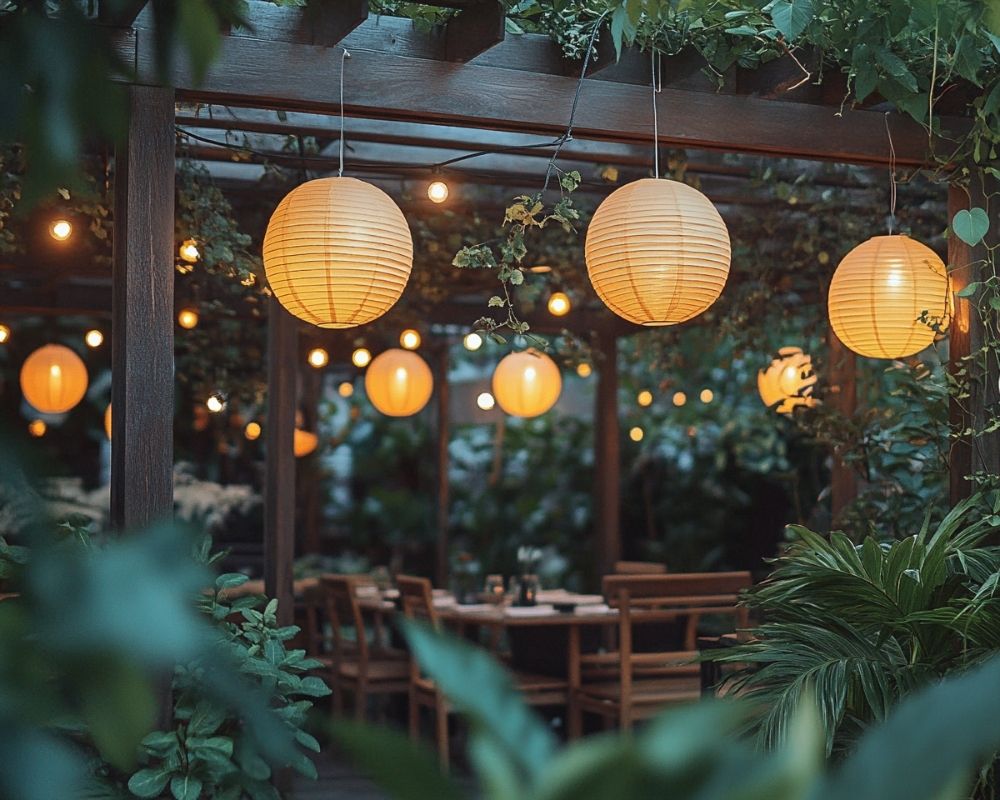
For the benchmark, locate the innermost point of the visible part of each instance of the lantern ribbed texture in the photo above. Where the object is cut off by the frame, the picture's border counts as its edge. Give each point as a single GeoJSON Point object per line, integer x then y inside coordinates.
{"type": "Point", "coordinates": [399, 382]}
{"type": "Point", "coordinates": [337, 252]}
{"type": "Point", "coordinates": [53, 379]}
{"type": "Point", "coordinates": [526, 384]}
{"type": "Point", "coordinates": [657, 252]}
{"type": "Point", "coordinates": [878, 293]}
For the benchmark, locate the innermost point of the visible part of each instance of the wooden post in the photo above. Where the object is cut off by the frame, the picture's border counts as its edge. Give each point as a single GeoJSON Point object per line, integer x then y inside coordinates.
{"type": "Point", "coordinates": [959, 347]}
{"type": "Point", "coordinates": [312, 391]}
{"type": "Point", "coordinates": [443, 462]}
{"type": "Point", "coordinates": [843, 397]}
{"type": "Point", "coordinates": [142, 348]}
{"type": "Point", "coordinates": [279, 496]}
{"type": "Point", "coordinates": [607, 457]}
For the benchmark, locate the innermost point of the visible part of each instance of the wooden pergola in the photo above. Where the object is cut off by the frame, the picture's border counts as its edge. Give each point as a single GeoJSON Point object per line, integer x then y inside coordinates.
{"type": "Point", "coordinates": [403, 88]}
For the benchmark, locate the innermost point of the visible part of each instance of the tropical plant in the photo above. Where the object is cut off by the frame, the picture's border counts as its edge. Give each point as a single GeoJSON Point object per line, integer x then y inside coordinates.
{"type": "Point", "coordinates": [927, 750]}
{"type": "Point", "coordinates": [863, 625]}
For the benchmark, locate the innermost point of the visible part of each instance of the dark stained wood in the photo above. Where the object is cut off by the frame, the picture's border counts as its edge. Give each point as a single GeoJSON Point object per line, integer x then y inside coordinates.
{"type": "Point", "coordinates": [279, 491]}
{"type": "Point", "coordinates": [607, 458]}
{"type": "Point", "coordinates": [391, 86]}
{"type": "Point", "coordinates": [327, 24]}
{"type": "Point", "coordinates": [842, 396]}
{"type": "Point", "coordinates": [959, 346]}
{"type": "Point", "coordinates": [474, 30]}
{"type": "Point", "coordinates": [443, 399]}
{"type": "Point", "coordinates": [121, 13]}
{"type": "Point", "coordinates": [142, 333]}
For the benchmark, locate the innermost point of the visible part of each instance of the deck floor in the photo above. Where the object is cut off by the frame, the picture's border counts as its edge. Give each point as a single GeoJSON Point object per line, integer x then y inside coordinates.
{"type": "Point", "coordinates": [338, 780]}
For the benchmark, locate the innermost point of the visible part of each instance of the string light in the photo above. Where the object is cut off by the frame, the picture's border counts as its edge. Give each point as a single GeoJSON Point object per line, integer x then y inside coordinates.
{"type": "Point", "coordinates": [60, 230]}
{"type": "Point", "coordinates": [216, 402]}
{"type": "Point", "coordinates": [559, 304]}
{"type": "Point", "coordinates": [584, 370]}
{"type": "Point", "coordinates": [4, 334]}
{"type": "Point", "coordinates": [93, 338]}
{"type": "Point", "coordinates": [472, 341]}
{"type": "Point", "coordinates": [189, 251]}
{"type": "Point", "coordinates": [706, 396]}
{"type": "Point", "coordinates": [346, 389]}
{"type": "Point", "coordinates": [252, 431]}
{"type": "Point", "coordinates": [644, 398]}
{"type": "Point", "coordinates": [437, 191]}
{"type": "Point", "coordinates": [636, 434]}
{"type": "Point", "coordinates": [409, 339]}
{"type": "Point", "coordinates": [486, 401]}
{"type": "Point", "coordinates": [361, 357]}
{"type": "Point", "coordinates": [679, 399]}
{"type": "Point", "coordinates": [37, 428]}
{"type": "Point", "coordinates": [318, 358]}
{"type": "Point", "coordinates": [187, 318]}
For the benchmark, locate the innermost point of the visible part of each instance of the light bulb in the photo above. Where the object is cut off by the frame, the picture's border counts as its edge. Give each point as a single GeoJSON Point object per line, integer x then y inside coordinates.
{"type": "Point", "coordinates": [37, 428]}
{"type": "Point", "coordinates": [636, 434]}
{"type": "Point", "coordinates": [644, 398]}
{"type": "Point", "coordinates": [189, 251]}
{"type": "Point", "coordinates": [437, 191]}
{"type": "Point", "coordinates": [472, 341]}
{"type": "Point", "coordinates": [706, 396]}
{"type": "Point", "coordinates": [361, 357]}
{"type": "Point", "coordinates": [318, 358]}
{"type": "Point", "coordinates": [216, 402]}
{"type": "Point", "coordinates": [409, 339]}
{"type": "Point", "coordinates": [93, 338]}
{"type": "Point", "coordinates": [680, 399]}
{"type": "Point", "coordinates": [584, 370]}
{"type": "Point", "coordinates": [559, 304]}
{"type": "Point", "coordinates": [346, 389]}
{"type": "Point", "coordinates": [187, 318]}
{"type": "Point", "coordinates": [4, 334]}
{"type": "Point", "coordinates": [60, 230]}
{"type": "Point", "coordinates": [485, 401]}
{"type": "Point", "coordinates": [252, 431]}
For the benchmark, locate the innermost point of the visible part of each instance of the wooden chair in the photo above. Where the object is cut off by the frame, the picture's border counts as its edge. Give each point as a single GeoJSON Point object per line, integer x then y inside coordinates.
{"type": "Point", "coordinates": [356, 666]}
{"type": "Point", "coordinates": [640, 568]}
{"type": "Point", "coordinates": [416, 596]}
{"type": "Point", "coordinates": [624, 685]}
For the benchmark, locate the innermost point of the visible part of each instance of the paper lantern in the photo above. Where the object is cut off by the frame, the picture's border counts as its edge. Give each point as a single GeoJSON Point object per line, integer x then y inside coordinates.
{"type": "Point", "coordinates": [657, 252]}
{"type": "Point", "coordinates": [304, 442]}
{"type": "Point", "coordinates": [879, 292]}
{"type": "Point", "coordinates": [107, 421]}
{"type": "Point", "coordinates": [526, 384]}
{"type": "Point", "coordinates": [337, 252]}
{"type": "Point", "coordinates": [788, 381]}
{"type": "Point", "coordinates": [399, 382]}
{"type": "Point", "coordinates": [53, 379]}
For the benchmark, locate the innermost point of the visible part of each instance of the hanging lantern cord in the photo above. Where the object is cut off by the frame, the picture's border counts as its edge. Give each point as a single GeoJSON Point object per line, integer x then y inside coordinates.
{"type": "Point", "coordinates": [657, 87]}
{"type": "Point", "coordinates": [346, 55]}
{"type": "Point", "coordinates": [892, 175]}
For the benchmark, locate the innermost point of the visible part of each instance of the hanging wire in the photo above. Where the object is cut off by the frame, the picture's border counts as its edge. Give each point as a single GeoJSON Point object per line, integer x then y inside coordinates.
{"type": "Point", "coordinates": [892, 174]}
{"type": "Point", "coordinates": [343, 60]}
{"type": "Point", "coordinates": [656, 127]}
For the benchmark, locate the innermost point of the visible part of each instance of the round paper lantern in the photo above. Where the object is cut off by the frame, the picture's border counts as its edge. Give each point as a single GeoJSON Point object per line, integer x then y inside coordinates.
{"type": "Point", "coordinates": [107, 421]}
{"type": "Point", "coordinates": [526, 384]}
{"type": "Point", "coordinates": [304, 442]}
{"type": "Point", "coordinates": [788, 381]}
{"type": "Point", "coordinates": [399, 382]}
{"type": "Point", "coordinates": [337, 252]}
{"type": "Point", "coordinates": [879, 292]}
{"type": "Point", "coordinates": [657, 252]}
{"type": "Point", "coordinates": [53, 379]}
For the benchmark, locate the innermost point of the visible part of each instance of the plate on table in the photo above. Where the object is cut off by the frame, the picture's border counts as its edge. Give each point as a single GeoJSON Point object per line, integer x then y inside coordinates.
{"type": "Point", "coordinates": [473, 607]}
{"type": "Point", "coordinates": [542, 610]}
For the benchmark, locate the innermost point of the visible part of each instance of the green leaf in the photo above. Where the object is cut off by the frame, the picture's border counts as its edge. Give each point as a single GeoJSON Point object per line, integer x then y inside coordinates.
{"type": "Point", "coordinates": [230, 580]}
{"type": "Point", "coordinates": [969, 290]}
{"type": "Point", "coordinates": [971, 225]}
{"type": "Point", "coordinates": [496, 302]}
{"type": "Point", "coordinates": [185, 787]}
{"type": "Point", "coordinates": [148, 782]}
{"type": "Point", "coordinates": [516, 277]}
{"type": "Point", "coordinates": [791, 17]}
{"type": "Point", "coordinates": [313, 686]}
{"type": "Point", "coordinates": [118, 706]}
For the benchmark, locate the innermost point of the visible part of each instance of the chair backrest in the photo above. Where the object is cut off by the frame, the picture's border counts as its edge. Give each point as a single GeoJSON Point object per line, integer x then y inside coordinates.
{"type": "Point", "coordinates": [416, 595]}
{"type": "Point", "coordinates": [640, 568]}
{"type": "Point", "coordinates": [342, 609]}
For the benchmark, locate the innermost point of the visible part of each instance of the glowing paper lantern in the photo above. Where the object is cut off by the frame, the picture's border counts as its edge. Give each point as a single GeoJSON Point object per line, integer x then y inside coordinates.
{"type": "Point", "coordinates": [337, 252]}
{"type": "Point", "coordinates": [526, 384]}
{"type": "Point", "coordinates": [53, 379]}
{"type": "Point", "coordinates": [879, 292]}
{"type": "Point", "coordinates": [304, 442]}
{"type": "Point", "coordinates": [107, 421]}
{"type": "Point", "coordinates": [657, 252]}
{"type": "Point", "coordinates": [399, 382]}
{"type": "Point", "coordinates": [788, 381]}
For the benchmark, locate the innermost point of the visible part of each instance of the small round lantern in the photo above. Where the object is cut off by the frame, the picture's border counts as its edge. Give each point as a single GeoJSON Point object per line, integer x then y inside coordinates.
{"type": "Point", "coordinates": [657, 252]}
{"type": "Point", "coordinates": [788, 381]}
{"type": "Point", "coordinates": [107, 421]}
{"type": "Point", "coordinates": [53, 379]}
{"type": "Point", "coordinates": [304, 442]}
{"type": "Point", "coordinates": [399, 382]}
{"type": "Point", "coordinates": [337, 252]}
{"type": "Point", "coordinates": [879, 293]}
{"type": "Point", "coordinates": [526, 384]}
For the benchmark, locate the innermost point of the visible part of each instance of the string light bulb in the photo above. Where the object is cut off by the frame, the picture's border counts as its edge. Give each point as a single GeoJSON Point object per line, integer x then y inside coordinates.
{"type": "Point", "coordinates": [409, 339]}
{"type": "Point", "coordinates": [644, 398]}
{"type": "Point", "coordinates": [187, 318]}
{"type": "Point", "coordinates": [93, 338]}
{"type": "Point", "coordinates": [318, 358]}
{"type": "Point", "coordinates": [559, 304]}
{"type": "Point", "coordinates": [216, 402]}
{"type": "Point", "coordinates": [472, 341]}
{"type": "Point", "coordinates": [706, 396]}
{"type": "Point", "coordinates": [486, 401]}
{"type": "Point", "coordinates": [37, 428]}
{"type": "Point", "coordinates": [636, 433]}
{"type": "Point", "coordinates": [679, 399]}
{"type": "Point", "coordinates": [584, 370]}
{"type": "Point", "coordinates": [346, 389]}
{"type": "Point", "coordinates": [188, 251]}
{"type": "Point", "coordinates": [60, 230]}
{"type": "Point", "coordinates": [252, 431]}
{"type": "Point", "coordinates": [437, 191]}
{"type": "Point", "coordinates": [4, 334]}
{"type": "Point", "coordinates": [361, 357]}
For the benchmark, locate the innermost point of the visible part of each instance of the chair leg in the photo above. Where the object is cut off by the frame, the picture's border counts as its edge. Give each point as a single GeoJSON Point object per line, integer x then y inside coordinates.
{"type": "Point", "coordinates": [574, 719]}
{"type": "Point", "coordinates": [625, 718]}
{"type": "Point", "coordinates": [337, 698]}
{"type": "Point", "coordinates": [414, 715]}
{"type": "Point", "coordinates": [441, 730]}
{"type": "Point", "coordinates": [360, 701]}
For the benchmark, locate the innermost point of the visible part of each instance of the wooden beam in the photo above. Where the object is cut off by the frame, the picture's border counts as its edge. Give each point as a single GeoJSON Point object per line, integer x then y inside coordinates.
{"type": "Point", "coordinates": [607, 457]}
{"type": "Point", "coordinates": [960, 269]}
{"type": "Point", "coordinates": [387, 85]}
{"type": "Point", "coordinates": [279, 491]}
{"type": "Point", "coordinates": [142, 351]}
{"type": "Point", "coordinates": [843, 397]}
{"type": "Point", "coordinates": [120, 13]}
{"type": "Point", "coordinates": [443, 392]}
{"type": "Point", "coordinates": [474, 30]}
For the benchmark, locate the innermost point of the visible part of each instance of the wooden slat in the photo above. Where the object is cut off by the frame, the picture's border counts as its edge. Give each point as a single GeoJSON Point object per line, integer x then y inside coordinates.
{"type": "Point", "coordinates": [442, 391]}
{"type": "Point", "coordinates": [142, 308]}
{"type": "Point", "coordinates": [474, 30]}
{"type": "Point", "coordinates": [607, 458]}
{"type": "Point", "coordinates": [960, 258]}
{"type": "Point", "coordinates": [842, 396]}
